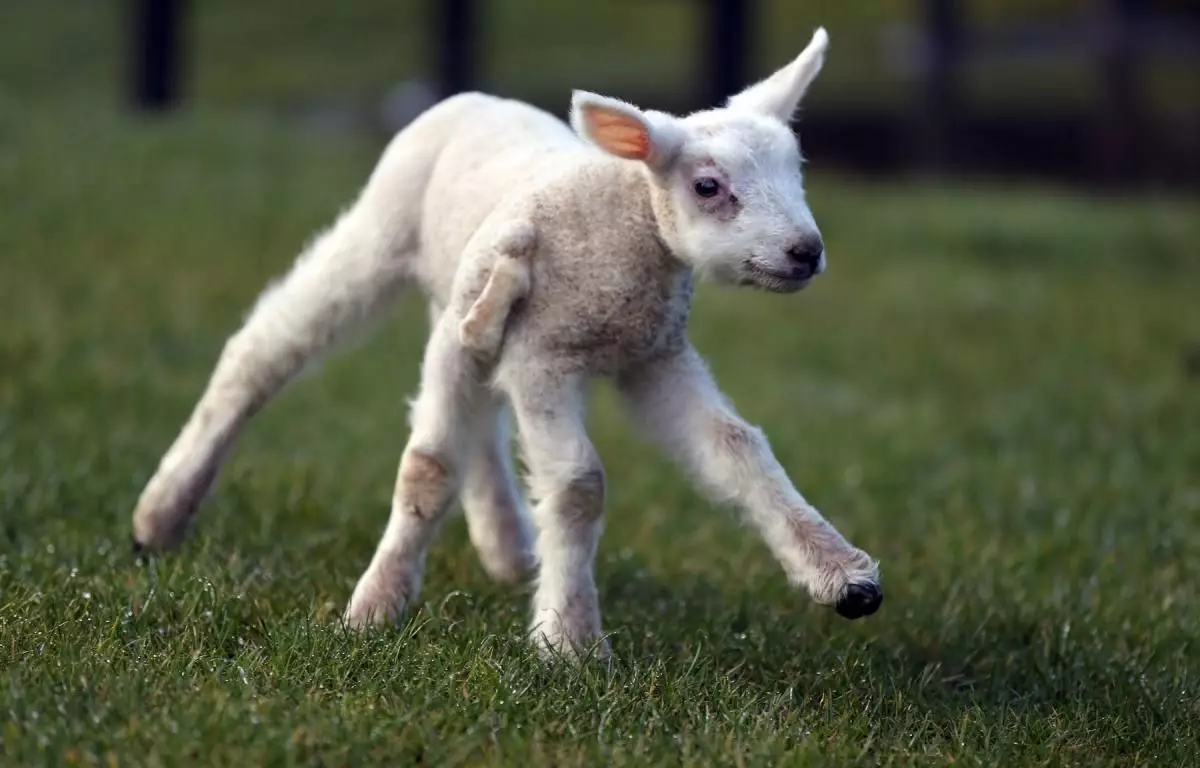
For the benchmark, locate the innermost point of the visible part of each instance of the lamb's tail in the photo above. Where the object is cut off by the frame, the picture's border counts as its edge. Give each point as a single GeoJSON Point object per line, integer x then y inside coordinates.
{"type": "Point", "coordinates": [346, 277]}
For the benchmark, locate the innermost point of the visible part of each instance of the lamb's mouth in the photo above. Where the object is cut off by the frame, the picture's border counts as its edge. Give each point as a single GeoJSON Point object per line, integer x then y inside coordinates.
{"type": "Point", "coordinates": [776, 281]}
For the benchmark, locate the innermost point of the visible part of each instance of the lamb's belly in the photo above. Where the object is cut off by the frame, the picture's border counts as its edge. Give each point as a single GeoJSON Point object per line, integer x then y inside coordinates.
{"type": "Point", "coordinates": [607, 350]}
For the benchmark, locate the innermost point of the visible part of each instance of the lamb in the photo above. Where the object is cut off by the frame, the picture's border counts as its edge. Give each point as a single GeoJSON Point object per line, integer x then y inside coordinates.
{"type": "Point", "coordinates": [550, 256]}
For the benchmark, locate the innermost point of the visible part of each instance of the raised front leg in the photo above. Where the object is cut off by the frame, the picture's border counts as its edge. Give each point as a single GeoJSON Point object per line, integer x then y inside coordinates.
{"type": "Point", "coordinates": [567, 480]}
{"type": "Point", "coordinates": [679, 405]}
{"type": "Point", "coordinates": [508, 250]}
{"type": "Point", "coordinates": [482, 330]}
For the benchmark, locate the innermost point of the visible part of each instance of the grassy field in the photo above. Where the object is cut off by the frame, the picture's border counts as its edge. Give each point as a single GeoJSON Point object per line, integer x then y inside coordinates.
{"type": "Point", "coordinates": [995, 391]}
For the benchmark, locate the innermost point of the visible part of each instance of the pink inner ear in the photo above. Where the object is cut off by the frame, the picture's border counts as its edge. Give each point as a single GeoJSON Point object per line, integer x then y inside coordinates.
{"type": "Point", "coordinates": [619, 134]}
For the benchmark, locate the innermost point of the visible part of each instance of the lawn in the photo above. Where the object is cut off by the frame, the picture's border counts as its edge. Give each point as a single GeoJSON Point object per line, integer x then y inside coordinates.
{"type": "Point", "coordinates": [990, 391]}
{"type": "Point", "coordinates": [996, 391]}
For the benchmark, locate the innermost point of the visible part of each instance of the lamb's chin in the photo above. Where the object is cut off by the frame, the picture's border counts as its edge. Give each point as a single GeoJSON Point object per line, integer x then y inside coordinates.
{"type": "Point", "coordinates": [770, 282]}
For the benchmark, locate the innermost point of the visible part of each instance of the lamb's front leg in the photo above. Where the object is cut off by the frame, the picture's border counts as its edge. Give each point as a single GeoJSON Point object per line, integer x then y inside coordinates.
{"type": "Point", "coordinates": [567, 479]}
{"type": "Point", "coordinates": [680, 405]}
{"type": "Point", "coordinates": [482, 330]}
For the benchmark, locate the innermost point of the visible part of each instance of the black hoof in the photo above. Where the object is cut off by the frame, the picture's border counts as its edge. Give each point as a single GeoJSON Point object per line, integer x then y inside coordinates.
{"type": "Point", "coordinates": [860, 600]}
{"type": "Point", "coordinates": [137, 546]}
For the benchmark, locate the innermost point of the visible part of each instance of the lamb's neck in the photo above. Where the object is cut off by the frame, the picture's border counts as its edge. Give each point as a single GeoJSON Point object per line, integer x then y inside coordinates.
{"type": "Point", "coordinates": [663, 213]}
{"type": "Point", "coordinates": [647, 205]}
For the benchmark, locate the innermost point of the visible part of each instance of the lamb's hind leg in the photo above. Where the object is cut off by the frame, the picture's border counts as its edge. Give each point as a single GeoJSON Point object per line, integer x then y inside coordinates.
{"type": "Point", "coordinates": [344, 277]}
{"type": "Point", "coordinates": [496, 512]}
{"type": "Point", "coordinates": [497, 518]}
{"type": "Point", "coordinates": [451, 398]}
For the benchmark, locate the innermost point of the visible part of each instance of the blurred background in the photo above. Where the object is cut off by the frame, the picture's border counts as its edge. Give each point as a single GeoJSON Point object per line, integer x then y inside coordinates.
{"type": "Point", "coordinates": [1093, 92]}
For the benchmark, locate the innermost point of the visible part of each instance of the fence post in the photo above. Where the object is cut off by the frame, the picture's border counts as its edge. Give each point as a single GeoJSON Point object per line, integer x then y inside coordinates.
{"type": "Point", "coordinates": [944, 48]}
{"type": "Point", "coordinates": [457, 33]}
{"type": "Point", "coordinates": [1120, 128]}
{"type": "Point", "coordinates": [156, 53]}
{"type": "Point", "coordinates": [726, 50]}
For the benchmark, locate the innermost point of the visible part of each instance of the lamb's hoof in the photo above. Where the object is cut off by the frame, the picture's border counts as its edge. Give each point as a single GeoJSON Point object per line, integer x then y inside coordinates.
{"type": "Point", "coordinates": [571, 651]}
{"type": "Point", "coordinates": [154, 533]}
{"type": "Point", "coordinates": [360, 617]}
{"type": "Point", "coordinates": [377, 602]}
{"type": "Point", "coordinates": [163, 516]}
{"type": "Point", "coordinates": [366, 611]}
{"type": "Point", "coordinates": [571, 641]}
{"type": "Point", "coordinates": [860, 600]}
{"type": "Point", "coordinates": [481, 343]}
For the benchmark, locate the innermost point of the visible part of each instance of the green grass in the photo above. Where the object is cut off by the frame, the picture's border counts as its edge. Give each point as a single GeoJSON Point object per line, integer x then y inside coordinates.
{"type": "Point", "coordinates": [989, 391]}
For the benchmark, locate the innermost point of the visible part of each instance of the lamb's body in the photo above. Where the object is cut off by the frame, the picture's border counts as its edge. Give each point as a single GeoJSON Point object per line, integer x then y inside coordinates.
{"type": "Point", "coordinates": [607, 292]}
{"type": "Point", "coordinates": [484, 153]}
{"type": "Point", "coordinates": [599, 253]}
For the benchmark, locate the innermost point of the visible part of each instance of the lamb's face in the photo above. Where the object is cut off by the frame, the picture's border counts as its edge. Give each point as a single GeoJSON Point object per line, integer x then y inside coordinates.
{"type": "Point", "coordinates": [739, 214]}
{"type": "Point", "coordinates": [727, 182]}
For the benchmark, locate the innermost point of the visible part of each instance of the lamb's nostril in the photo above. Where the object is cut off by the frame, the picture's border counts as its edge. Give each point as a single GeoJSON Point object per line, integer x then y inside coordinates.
{"type": "Point", "coordinates": [807, 253]}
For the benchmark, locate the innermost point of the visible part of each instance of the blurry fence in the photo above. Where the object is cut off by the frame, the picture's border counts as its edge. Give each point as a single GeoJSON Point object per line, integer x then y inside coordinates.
{"type": "Point", "coordinates": [1119, 142]}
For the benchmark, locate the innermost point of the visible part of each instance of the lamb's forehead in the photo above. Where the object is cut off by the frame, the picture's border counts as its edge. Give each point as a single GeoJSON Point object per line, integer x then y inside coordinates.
{"type": "Point", "coordinates": [738, 138]}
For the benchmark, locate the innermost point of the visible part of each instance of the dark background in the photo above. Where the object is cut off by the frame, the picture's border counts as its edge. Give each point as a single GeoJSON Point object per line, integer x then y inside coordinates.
{"type": "Point", "coordinates": [1096, 91]}
{"type": "Point", "coordinates": [1101, 93]}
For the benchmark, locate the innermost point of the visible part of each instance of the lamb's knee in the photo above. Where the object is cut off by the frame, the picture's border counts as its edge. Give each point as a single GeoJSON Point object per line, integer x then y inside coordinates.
{"type": "Point", "coordinates": [579, 497]}
{"type": "Point", "coordinates": [424, 486]}
{"type": "Point", "coordinates": [736, 438]}
{"type": "Point", "coordinates": [731, 459]}
{"type": "Point", "coordinates": [253, 364]}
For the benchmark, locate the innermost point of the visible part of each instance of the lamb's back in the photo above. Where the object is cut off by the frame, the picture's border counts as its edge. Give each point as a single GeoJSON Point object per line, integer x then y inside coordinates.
{"type": "Point", "coordinates": [497, 150]}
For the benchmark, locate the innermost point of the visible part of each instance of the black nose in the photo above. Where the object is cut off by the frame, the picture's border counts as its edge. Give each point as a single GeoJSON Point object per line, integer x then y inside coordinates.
{"type": "Point", "coordinates": [806, 253]}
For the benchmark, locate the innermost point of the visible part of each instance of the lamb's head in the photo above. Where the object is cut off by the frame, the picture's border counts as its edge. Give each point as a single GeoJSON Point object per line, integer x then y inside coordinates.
{"type": "Point", "coordinates": [727, 182]}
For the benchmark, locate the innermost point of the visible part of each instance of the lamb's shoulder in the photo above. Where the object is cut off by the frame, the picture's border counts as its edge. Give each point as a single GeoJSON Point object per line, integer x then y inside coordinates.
{"type": "Point", "coordinates": [605, 291]}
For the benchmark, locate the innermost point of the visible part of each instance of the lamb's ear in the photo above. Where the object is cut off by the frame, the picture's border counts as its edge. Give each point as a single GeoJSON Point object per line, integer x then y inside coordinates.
{"type": "Point", "coordinates": [780, 94]}
{"type": "Point", "coordinates": [623, 130]}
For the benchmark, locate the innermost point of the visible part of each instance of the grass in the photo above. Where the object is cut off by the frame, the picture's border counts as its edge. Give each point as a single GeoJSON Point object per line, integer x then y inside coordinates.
{"type": "Point", "coordinates": [990, 391]}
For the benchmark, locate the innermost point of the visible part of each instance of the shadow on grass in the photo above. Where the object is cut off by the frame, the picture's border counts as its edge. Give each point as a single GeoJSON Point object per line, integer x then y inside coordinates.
{"type": "Point", "coordinates": [994, 659]}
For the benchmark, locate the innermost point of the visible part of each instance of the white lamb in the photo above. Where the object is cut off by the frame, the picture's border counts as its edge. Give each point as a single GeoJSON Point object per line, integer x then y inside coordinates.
{"type": "Point", "coordinates": [548, 261]}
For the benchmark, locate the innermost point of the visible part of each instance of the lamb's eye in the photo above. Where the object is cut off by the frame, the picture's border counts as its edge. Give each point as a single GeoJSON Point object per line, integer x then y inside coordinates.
{"type": "Point", "coordinates": [707, 187]}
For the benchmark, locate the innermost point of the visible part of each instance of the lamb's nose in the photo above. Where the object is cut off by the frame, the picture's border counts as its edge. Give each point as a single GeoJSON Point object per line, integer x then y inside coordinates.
{"type": "Point", "coordinates": [806, 254]}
